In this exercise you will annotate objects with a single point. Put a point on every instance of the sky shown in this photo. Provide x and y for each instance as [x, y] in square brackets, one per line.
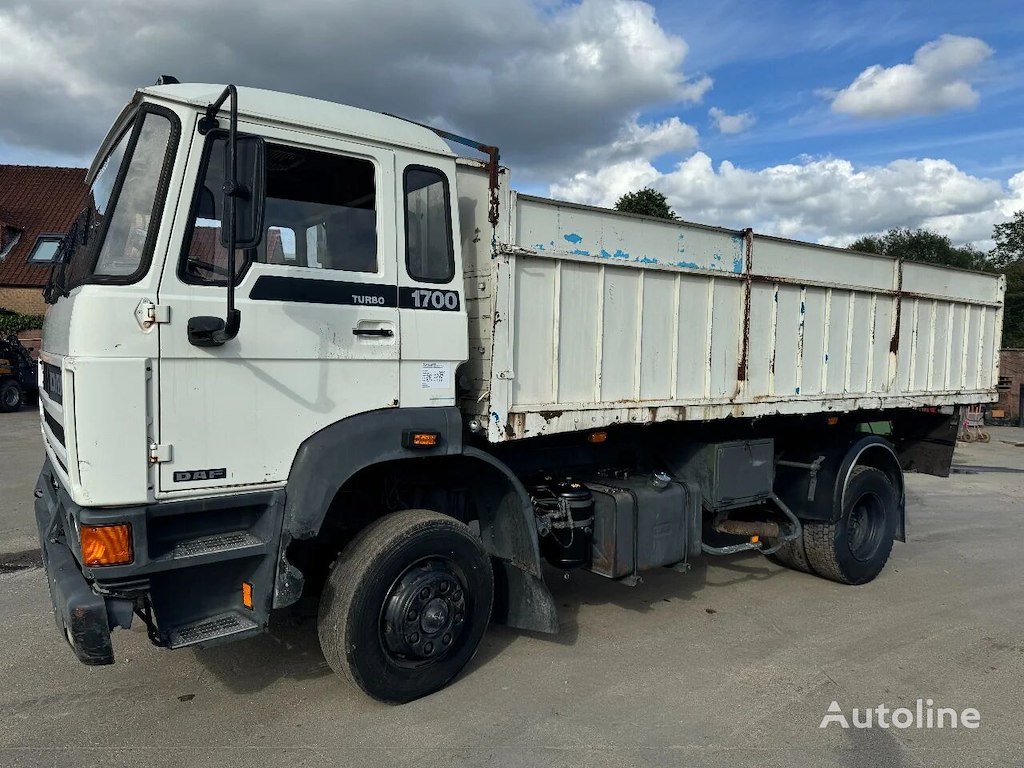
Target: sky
[808, 119]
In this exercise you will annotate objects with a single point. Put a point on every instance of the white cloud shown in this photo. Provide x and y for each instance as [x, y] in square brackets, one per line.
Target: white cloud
[937, 80]
[644, 142]
[607, 183]
[827, 200]
[727, 123]
[547, 82]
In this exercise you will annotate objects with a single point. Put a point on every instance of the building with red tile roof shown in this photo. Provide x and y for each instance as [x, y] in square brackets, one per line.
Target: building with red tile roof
[37, 206]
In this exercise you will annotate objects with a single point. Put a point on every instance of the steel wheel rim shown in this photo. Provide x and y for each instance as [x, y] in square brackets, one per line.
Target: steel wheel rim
[425, 613]
[865, 527]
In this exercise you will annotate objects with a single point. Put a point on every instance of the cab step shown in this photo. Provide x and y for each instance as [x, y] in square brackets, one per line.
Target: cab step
[209, 629]
[241, 542]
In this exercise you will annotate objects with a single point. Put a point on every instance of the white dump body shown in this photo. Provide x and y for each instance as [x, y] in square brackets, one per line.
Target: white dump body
[583, 317]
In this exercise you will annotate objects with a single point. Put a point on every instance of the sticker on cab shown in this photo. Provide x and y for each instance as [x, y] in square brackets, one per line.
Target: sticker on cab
[436, 376]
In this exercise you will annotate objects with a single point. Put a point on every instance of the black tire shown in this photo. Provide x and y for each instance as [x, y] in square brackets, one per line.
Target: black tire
[854, 549]
[791, 555]
[406, 605]
[11, 396]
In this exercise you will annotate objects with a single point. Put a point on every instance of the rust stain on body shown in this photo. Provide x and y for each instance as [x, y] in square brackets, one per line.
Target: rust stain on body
[741, 369]
[894, 342]
[549, 415]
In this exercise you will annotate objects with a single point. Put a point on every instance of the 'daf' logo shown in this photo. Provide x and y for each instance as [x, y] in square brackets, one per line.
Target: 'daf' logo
[199, 475]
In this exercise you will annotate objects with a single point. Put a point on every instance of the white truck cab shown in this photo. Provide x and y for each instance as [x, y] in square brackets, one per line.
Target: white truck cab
[359, 215]
[297, 349]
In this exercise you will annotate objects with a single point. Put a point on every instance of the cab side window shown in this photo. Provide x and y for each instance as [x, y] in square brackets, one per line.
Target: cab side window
[321, 213]
[429, 253]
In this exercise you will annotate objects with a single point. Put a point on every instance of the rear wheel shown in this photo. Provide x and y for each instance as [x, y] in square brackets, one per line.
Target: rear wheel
[10, 396]
[406, 605]
[855, 548]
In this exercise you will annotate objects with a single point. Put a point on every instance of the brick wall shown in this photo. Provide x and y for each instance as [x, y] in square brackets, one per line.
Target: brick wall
[33, 340]
[27, 301]
[1011, 376]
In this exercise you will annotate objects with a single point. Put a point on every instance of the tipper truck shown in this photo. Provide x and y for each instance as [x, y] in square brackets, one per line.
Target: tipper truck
[302, 353]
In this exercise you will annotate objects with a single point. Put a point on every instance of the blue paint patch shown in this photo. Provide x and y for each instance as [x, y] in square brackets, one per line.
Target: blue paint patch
[740, 243]
[573, 238]
[718, 257]
[737, 264]
[620, 254]
[687, 264]
[803, 308]
[552, 242]
[798, 390]
[645, 260]
[604, 254]
[580, 252]
[494, 415]
[538, 246]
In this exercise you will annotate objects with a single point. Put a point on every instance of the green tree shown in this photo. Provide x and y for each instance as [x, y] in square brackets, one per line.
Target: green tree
[1008, 257]
[922, 245]
[1009, 237]
[646, 201]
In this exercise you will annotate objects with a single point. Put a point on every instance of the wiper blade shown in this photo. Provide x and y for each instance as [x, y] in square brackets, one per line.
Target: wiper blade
[55, 285]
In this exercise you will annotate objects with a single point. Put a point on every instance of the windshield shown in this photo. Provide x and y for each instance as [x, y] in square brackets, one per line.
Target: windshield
[110, 239]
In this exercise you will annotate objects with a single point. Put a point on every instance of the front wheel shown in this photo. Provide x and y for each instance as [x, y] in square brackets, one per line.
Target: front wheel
[406, 605]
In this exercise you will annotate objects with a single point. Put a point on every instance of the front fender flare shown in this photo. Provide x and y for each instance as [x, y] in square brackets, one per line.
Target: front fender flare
[329, 458]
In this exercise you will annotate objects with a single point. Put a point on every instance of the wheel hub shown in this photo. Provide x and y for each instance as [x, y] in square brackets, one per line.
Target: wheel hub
[435, 615]
[425, 611]
[865, 527]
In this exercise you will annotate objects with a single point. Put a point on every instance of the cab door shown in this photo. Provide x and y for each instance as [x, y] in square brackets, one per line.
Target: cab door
[430, 294]
[319, 336]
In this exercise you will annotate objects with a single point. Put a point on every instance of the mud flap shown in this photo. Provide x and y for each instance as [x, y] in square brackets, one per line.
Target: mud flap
[522, 600]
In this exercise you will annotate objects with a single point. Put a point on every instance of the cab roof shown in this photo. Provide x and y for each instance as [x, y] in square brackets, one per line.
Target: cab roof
[303, 111]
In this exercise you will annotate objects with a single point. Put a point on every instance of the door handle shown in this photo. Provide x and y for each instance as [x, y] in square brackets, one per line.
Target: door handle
[372, 332]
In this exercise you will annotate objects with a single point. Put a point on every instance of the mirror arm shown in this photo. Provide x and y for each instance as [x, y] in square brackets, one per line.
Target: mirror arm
[231, 189]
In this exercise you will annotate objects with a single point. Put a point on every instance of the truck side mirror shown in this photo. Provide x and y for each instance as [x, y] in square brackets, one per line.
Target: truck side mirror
[244, 187]
[245, 194]
[203, 331]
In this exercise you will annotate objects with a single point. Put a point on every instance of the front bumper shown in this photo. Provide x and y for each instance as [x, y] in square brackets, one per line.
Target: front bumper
[194, 562]
[83, 616]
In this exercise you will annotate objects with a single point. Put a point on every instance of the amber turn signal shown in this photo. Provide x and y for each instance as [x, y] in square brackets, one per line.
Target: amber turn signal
[106, 544]
[597, 437]
[247, 595]
[415, 439]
